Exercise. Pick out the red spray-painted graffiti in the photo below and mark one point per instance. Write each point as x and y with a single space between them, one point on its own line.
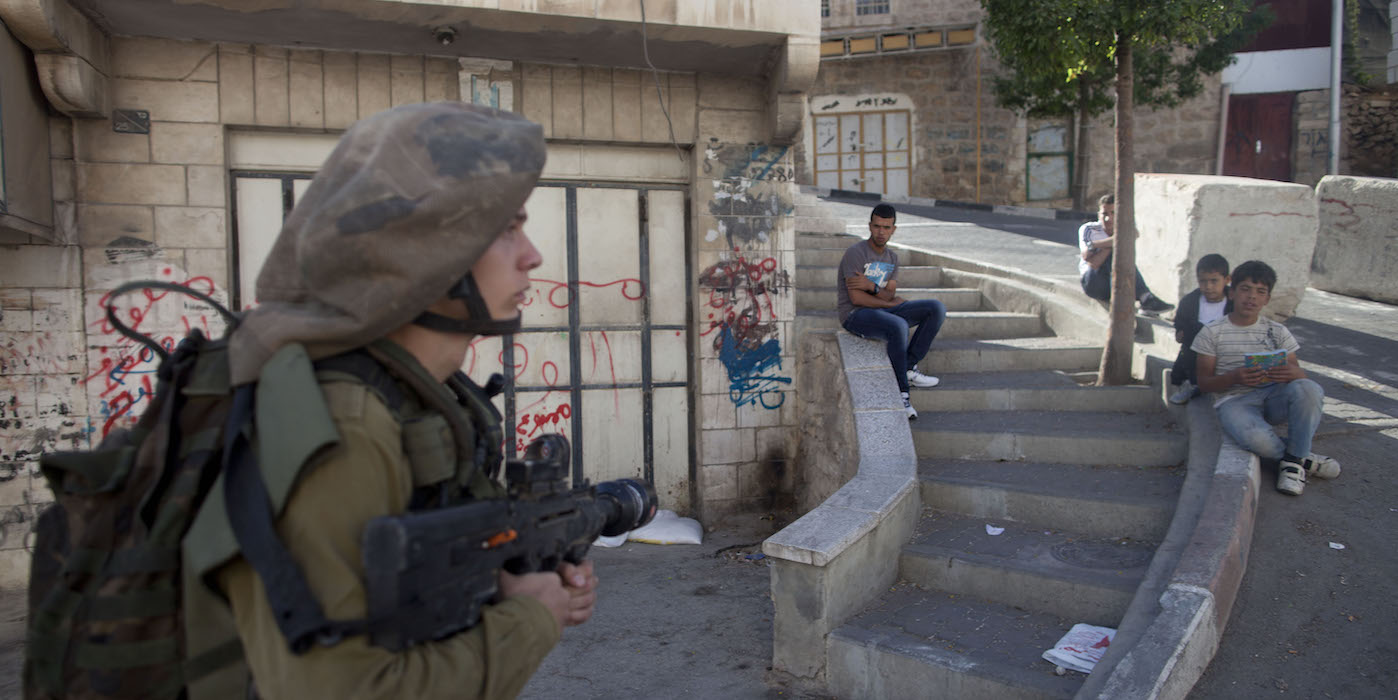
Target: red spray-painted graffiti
123 374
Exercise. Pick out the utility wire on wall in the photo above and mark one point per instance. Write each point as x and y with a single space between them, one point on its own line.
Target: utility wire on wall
659 93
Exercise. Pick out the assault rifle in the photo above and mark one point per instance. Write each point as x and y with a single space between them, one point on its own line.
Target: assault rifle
428 573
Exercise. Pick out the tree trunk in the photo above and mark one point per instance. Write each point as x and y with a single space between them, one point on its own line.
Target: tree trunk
1116 354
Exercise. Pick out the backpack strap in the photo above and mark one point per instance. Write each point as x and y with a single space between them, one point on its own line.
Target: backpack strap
358 365
298 614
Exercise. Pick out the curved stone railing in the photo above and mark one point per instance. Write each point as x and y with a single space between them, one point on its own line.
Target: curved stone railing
1174 623
836 559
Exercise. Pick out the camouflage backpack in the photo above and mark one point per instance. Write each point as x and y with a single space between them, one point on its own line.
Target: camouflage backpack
104 598
106 608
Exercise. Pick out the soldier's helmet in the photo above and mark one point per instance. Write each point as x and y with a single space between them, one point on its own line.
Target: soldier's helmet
409 199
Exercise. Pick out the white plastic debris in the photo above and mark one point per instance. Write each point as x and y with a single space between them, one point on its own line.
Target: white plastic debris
992 530
613 541
1336 545
668 528
1081 648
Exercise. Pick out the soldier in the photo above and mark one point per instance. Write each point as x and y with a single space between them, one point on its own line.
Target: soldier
407 245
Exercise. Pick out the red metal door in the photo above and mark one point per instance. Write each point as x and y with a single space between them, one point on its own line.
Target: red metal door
1259 136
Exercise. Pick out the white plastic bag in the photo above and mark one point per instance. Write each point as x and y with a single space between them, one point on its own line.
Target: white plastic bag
1081 648
613 541
668 528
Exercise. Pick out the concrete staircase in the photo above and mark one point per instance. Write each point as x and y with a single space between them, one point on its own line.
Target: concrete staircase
1082 480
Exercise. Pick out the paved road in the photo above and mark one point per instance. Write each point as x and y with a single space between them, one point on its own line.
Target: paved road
1310 621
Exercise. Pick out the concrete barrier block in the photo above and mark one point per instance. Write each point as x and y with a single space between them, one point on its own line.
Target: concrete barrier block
1356 250
1181 218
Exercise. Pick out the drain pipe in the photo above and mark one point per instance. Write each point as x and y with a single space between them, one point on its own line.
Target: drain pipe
1337 26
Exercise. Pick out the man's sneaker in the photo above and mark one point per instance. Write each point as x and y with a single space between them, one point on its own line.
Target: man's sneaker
920 380
1152 304
908 407
1187 391
1321 466
1291 478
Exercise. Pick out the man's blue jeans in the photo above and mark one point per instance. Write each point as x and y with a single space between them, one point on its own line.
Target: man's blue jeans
1248 419
892 325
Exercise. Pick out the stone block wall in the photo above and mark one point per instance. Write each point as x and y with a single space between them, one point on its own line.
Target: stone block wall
745 312
1182 218
1356 251
1369 129
947 146
1181 139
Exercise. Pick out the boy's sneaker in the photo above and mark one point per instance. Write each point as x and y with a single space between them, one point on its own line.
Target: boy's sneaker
920 380
1152 304
1187 391
1321 466
1291 478
908 407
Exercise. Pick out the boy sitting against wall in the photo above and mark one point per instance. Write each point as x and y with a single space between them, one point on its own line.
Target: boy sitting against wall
1249 362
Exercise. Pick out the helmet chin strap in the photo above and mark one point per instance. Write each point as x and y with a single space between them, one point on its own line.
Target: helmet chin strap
466 290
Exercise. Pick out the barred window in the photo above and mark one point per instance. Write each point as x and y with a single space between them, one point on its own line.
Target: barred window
871 7
824 8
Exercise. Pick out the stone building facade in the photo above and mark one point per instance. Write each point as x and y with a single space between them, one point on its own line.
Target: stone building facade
664 215
929 62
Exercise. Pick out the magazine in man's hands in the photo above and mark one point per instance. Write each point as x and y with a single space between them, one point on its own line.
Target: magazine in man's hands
1265 361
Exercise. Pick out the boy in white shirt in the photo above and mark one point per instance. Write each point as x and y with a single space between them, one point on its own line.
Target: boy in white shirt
1250 362
1197 309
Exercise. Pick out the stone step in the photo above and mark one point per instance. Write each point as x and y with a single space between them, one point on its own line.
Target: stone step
816 239
1095 500
1062 573
912 643
1009 354
819 224
820 257
958 324
823 298
1076 437
1040 390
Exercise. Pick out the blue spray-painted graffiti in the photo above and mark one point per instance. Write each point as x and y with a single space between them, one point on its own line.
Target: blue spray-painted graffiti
752 377
743 311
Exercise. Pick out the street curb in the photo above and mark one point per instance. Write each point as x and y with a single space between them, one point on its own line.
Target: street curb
1007 209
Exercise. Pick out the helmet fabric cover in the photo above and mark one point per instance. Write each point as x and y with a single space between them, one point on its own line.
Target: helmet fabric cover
409 199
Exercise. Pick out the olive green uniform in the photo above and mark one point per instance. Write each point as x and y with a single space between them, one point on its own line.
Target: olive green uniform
367 475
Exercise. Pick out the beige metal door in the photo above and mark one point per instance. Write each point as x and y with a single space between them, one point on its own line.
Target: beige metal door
604 355
864 151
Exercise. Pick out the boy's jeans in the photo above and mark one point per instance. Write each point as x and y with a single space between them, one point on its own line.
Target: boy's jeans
1248 419
892 325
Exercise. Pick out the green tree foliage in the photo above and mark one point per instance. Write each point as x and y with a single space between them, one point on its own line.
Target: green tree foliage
1060 55
1083 56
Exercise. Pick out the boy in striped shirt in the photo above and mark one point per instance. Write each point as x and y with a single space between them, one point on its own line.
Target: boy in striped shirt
1249 363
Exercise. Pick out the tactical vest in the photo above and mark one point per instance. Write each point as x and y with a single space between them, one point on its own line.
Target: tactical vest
451 438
